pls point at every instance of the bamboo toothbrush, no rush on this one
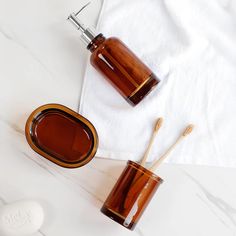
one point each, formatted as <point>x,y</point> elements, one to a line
<point>155,131</point>
<point>185,133</point>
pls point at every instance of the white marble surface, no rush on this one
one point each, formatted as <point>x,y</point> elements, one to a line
<point>42,60</point>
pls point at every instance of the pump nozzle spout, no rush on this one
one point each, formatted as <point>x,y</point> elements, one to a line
<point>82,8</point>
<point>76,22</point>
<point>87,34</point>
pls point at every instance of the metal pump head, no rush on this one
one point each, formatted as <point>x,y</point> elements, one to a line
<point>87,34</point>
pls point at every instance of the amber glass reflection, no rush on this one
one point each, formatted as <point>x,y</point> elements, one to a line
<point>131,195</point>
<point>123,69</point>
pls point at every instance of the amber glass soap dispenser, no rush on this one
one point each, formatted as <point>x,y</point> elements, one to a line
<point>122,68</point>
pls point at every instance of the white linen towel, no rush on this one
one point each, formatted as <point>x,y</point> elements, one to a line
<point>190,46</point>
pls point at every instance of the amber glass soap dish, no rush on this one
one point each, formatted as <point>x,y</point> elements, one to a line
<point>61,135</point>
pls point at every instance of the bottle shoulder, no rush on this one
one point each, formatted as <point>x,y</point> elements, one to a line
<point>110,43</point>
<point>113,41</point>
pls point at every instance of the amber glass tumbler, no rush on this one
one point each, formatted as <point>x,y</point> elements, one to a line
<point>131,195</point>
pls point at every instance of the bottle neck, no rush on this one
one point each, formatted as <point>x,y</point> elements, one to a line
<point>96,42</point>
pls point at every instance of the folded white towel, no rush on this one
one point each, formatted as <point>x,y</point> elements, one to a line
<point>190,46</point>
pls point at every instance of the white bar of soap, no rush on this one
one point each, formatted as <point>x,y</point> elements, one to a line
<point>21,218</point>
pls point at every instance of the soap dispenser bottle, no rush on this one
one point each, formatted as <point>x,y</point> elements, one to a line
<point>121,67</point>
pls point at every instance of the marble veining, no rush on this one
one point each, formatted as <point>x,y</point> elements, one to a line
<point>14,39</point>
<point>13,126</point>
<point>3,200</point>
<point>39,164</point>
<point>5,34</point>
<point>58,172</point>
<point>41,233</point>
<point>225,208</point>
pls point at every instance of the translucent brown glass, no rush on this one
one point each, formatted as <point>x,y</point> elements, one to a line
<point>131,195</point>
<point>122,68</point>
<point>61,135</point>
